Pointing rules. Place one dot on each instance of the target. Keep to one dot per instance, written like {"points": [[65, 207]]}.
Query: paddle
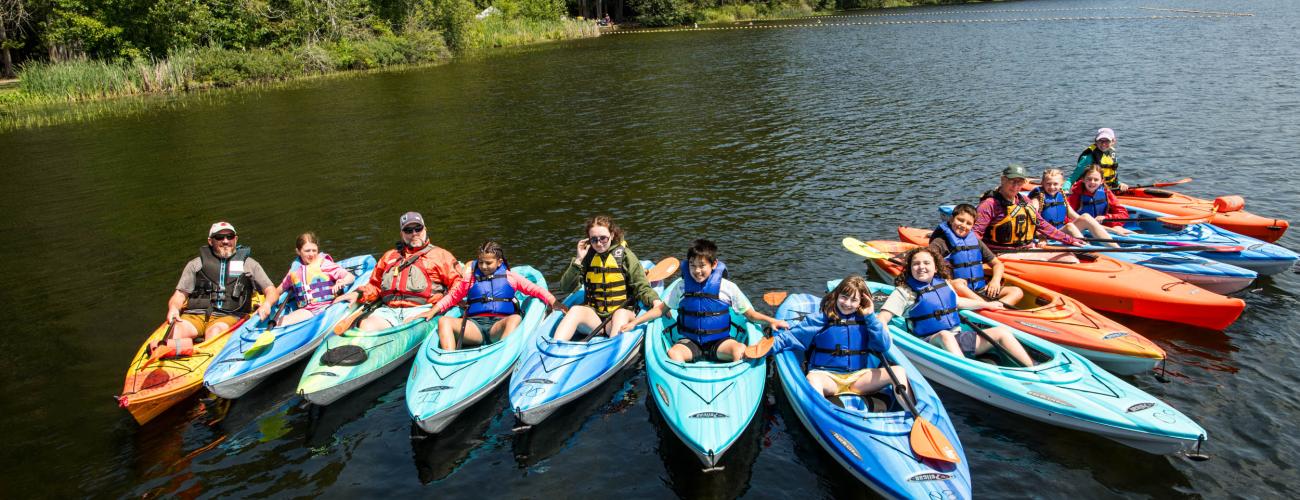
{"points": [[268, 335], [772, 298], [662, 269], [166, 350], [859, 247], [1214, 248], [980, 331], [1110, 250], [1184, 180], [926, 439], [357, 311]]}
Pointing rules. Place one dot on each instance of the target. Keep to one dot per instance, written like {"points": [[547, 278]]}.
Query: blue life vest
{"points": [[702, 315], [1053, 210], [1094, 204], [964, 256], [841, 346], [935, 309], [491, 295]]}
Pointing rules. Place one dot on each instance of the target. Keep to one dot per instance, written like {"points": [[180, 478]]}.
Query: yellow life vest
{"points": [[1017, 227], [1109, 166], [605, 280]]}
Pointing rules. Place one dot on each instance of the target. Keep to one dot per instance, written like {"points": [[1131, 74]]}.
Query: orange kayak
{"points": [[1057, 318], [1110, 285], [151, 389], [1178, 204]]}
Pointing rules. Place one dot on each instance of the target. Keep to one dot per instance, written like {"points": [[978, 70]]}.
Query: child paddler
{"points": [[407, 280], [923, 296], [1053, 207], [489, 290], [967, 255], [705, 302], [1102, 154], [1091, 196], [313, 281], [840, 341], [1005, 220], [612, 279]]}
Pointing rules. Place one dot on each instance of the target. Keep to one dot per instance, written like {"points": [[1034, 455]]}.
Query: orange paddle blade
{"points": [[662, 270], [1186, 220], [345, 323], [929, 442], [160, 352], [760, 349], [774, 298], [1184, 180]]}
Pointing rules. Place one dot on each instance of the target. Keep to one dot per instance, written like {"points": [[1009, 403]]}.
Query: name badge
{"points": [[236, 267]]}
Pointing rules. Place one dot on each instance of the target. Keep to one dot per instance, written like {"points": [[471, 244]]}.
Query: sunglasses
{"points": [[413, 229], [222, 237], [598, 239], [1103, 140]]}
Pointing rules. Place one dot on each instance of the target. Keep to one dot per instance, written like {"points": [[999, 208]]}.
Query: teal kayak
{"points": [[707, 404], [873, 444], [442, 384], [1062, 388]]}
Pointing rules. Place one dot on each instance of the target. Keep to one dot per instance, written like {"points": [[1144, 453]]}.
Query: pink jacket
{"points": [[519, 283]]}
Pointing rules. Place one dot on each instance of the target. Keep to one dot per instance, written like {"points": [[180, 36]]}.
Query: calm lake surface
{"points": [[774, 142]]}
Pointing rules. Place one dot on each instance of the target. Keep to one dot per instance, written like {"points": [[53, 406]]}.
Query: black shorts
{"points": [[709, 350], [984, 293]]}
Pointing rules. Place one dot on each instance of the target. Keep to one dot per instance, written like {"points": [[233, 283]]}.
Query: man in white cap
{"points": [[216, 288], [407, 280], [1101, 153]]}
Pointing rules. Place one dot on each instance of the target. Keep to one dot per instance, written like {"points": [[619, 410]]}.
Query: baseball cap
{"points": [[1105, 133], [219, 227], [411, 218], [1015, 171]]}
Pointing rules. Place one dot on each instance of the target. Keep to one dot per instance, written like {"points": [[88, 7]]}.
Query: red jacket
{"points": [[399, 287], [1113, 209]]}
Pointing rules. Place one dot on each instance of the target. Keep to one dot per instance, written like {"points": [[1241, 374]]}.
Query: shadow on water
{"points": [[545, 440], [834, 480], [685, 471], [326, 421], [439, 455]]}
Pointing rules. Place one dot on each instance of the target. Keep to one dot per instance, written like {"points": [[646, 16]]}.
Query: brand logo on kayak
{"points": [[437, 388], [1053, 399], [663, 395], [1037, 327], [1139, 407], [1114, 335], [539, 381], [709, 414], [930, 476], [846, 445]]}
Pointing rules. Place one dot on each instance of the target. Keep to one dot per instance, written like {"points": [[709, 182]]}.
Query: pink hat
{"points": [[219, 227], [1105, 133]]}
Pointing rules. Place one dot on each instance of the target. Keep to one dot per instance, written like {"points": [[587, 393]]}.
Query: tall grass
{"points": [[497, 31]]}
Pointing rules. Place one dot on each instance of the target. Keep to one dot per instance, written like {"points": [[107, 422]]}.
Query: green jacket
{"points": [[638, 287]]}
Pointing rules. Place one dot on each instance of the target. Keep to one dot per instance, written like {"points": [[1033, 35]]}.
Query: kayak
{"points": [[553, 372], [1062, 389], [1178, 204], [344, 362], [1209, 274], [1110, 285], [707, 404], [1262, 257], [1060, 319], [873, 444], [443, 384], [240, 366], [152, 388]]}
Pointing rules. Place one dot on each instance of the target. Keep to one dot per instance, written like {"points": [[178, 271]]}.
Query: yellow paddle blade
{"points": [[774, 298], [858, 247], [263, 341], [929, 442], [760, 349], [663, 269]]}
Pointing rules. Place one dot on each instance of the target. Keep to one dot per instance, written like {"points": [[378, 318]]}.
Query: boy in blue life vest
{"points": [[967, 255], [705, 303]]}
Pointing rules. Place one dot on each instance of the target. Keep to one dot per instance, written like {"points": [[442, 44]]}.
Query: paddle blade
{"points": [[1184, 180], [929, 442], [663, 269], [774, 298], [760, 349], [263, 341], [858, 247], [160, 352], [345, 323]]}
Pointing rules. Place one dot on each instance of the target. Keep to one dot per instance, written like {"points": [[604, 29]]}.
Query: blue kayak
{"points": [[553, 372], [707, 404], [1062, 388], [444, 383], [873, 444], [1262, 257], [1209, 274], [238, 368]]}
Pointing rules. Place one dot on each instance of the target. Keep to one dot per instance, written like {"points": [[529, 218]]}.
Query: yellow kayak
{"points": [[151, 388]]}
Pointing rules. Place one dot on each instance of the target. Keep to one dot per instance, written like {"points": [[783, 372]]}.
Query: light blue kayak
{"points": [[707, 404], [443, 383], [1262, 257], [1062, 389], [237, 368], [873, 444], [1209, 274], [553, 372]]}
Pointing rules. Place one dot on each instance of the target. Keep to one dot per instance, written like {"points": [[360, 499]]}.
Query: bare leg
{"points": [[472, 335], [823, 384], [621, 317], [448, 328], [731, 350], [948, 340], [374, 324], [1086, 222], [577, 316], [1010, 295], [680, 353], [1008, 341], [503, 328], [876, 379], [297, 316]]}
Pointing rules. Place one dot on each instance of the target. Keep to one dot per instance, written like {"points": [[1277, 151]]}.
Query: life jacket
{"points": [[1105, 159], [404, 280], [964, 256], [1053, 210], [491, 295], [1093, 204], [841, 346], [702, 315], [1017, 226], [935, 308], [310, 285], [221, 285], [605, 280]]}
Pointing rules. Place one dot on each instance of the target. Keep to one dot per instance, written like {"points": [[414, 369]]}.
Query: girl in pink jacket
{"points": [[489, 292]]}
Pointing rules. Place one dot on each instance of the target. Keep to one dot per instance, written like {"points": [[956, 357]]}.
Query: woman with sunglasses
{"points": [[611, 278], [407, 280], [1101, 153]]}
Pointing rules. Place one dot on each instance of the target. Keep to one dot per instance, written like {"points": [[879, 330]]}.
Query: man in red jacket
{"points": [[408, 280]]}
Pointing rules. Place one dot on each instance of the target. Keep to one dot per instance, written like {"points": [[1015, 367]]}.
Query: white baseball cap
{"points": [[219, 227]]}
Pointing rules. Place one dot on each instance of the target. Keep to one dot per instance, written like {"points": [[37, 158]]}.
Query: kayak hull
{"points": [[443, 383], [1257, 255], [874, 445], [1178, 204], [150, 390], [322, 384]]}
